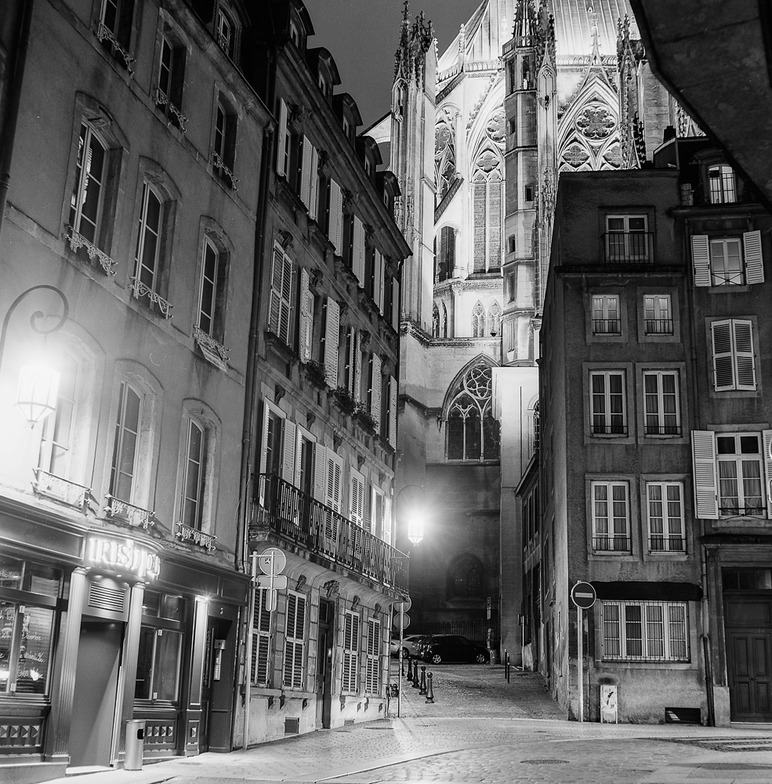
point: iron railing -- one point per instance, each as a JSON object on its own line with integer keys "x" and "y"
{"x": 610, "y": 326}
{"x": 298, "y": 517}
{"x": 659, "y": 543}
{"x": 658, "y": 326}
{"x": 628, "y": 247}
{"x": 611, "y": 544}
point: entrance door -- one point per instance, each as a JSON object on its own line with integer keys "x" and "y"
{"x": 749, "y": 657}
{"x": 96, "y": 681}
{"x": 324, "y": 664}
{"x": 216, "y": 700}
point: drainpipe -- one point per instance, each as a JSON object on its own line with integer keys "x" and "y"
{"x": 8, "y": 134}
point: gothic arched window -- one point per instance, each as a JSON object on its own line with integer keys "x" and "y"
{"x": 472, "y": 432}
{"x": 445, "y": 255}
{"x": 465, "y": 578}
{"x": 487, "y": 186}
{"x": 478, "y": 321}
{"x": 435, "y": 321}
{"x": 494, "y": 319}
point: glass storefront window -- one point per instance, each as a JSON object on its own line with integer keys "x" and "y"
{"x": 163, "y": 605}
{"x": 158, "y": 665}
{"x": 25, "y": 648}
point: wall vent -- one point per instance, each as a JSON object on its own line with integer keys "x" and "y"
{"x": 682, "y": 716}
{"x": 348, "y": 722}
{"x": 291, "y": 726}
{"x": 105, "y": 597}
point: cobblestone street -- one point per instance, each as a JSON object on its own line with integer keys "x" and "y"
{"x": 482, "y": 729}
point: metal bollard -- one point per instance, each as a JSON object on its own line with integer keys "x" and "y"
{"x": 416, "y": 685}
{"x": 409, "y": 670}
{"x": 422, "y": 690}
{"x": 429, "y": 689}
{"x": 405, "y": 664}
{"x": 506, "y": 665}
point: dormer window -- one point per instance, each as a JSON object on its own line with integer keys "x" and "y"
{"x": 294, "y": 33}
{"x": 226, "y": 32}
{"x": 368, "y": 167}
{"x": 347, "y": 128}
{"x": 722, "y": 185}
{"x": 323, "y": 86}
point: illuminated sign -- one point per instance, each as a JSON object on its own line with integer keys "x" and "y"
{"x": 123, "y": 555}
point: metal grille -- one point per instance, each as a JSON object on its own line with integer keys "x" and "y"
{"x": 103, "y": 597}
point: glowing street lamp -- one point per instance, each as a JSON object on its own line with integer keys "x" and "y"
{"x": 415, "y": 529}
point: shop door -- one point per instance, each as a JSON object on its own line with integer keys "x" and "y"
{"x": 217, "y": 690}
{"x": 96, "y": 681}
{"x": 324, "y": 664}
{"x": 749, "y": 657}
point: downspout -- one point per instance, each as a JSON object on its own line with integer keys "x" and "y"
{"x": 8, "y": 136}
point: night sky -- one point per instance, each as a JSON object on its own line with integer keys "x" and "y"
{"x": 362, "y": 36}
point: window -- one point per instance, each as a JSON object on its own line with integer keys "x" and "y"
{"x": 627, "y": 238}
{"x": 610, "y": 517}
{"x": 332, "y": 342}
{"x": 224, "y": 147}
{"x": 727, "y": 261}
{"x": 478, "y": 321}
{"x": 661, "y": 403}
{"x": 721, "y": 184}
{"x": 86, "y": 202}
{"x": 171, "y": 81}
{"x": 607, "y": 409}
{"x": 666, "y": 517}
{"x": 465, "y": 578}
{"x": 351, "y": 653}
{"x": 158, "y": 665}
{"x": 28, "y": 595}
{"x": 657, "y": 314}
{"x": 225, "y": 32}
{"x": 148, "y": 256}
{"x": 487, "y": 187}
{"x": 309, "y": 177}
{"x": 445, "y": 260}
{"x": 740, "y": 474}
{"x": 271, "y": 453}
{"x": 57, "y": 434}
{"x": 210, "y": 285}
{"x": 114, "y": 30}
{"x": 357, "y": 497}
{"x": 494, "y": 319}
{"x": 282, "y": 309}
{"x": 734, "y": 364}
{"x": 125, "y": 444}
{"x": 194, "y": 468}
{"x": 294, "y": 645}
{"x": 605, "y": 315}
{"x": 645, "y": 631}
{"x": 472, "y": 431}
{"x": 261, "y": 640}
{"x": 373, "y": 678}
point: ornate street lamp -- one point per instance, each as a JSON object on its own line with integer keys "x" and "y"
{"x": 38, "y": 386}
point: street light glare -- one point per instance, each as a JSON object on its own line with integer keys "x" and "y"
{"x": 37, "y": 391}
{"x": 415, "y": 529}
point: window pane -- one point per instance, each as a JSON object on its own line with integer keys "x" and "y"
{"x": 144, "y": 664}
{"x": 633, "y": 630}
{"x": 167, "y": 665}
{"x": 34, "y": 650}
{"x": 7, "y": 630}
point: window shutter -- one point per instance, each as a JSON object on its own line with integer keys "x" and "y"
{"x": 358, "y": 257}
{"x": 333, "y": 477}
{"x": 754, "y": 260}
{"x": 351, "y": 359}
{"x": 313, "y": 174}
{"x": 705, "y": 485}
{"x": 378, "y": 281}
{"x": 336, "y": 217}
{"x": 723, "y": 363}
{"x": 285, "y": 319}
{"x": 767, "y": 440}
{"x": 393, "y": 392}
{"x": 701, "y": 259}
{"x": 275, "y": 304}
{"x": 387, "y": 521}
{"x": 357, "y": 501}
{"x": 288, "y": 452}
{"x": 357, "y": 366}
{"x": 395, "y": 304}
{"x": 282, "y": 140}
{"x": 743, "y": 349}
{"x": 305, "y": 316}
{"x": 305, "y": 173}
{"x": 320, "y": 473}
{"x": 331, "y": 341}
{"x": 375, "y": 391}
{"x": 264, "y": 438}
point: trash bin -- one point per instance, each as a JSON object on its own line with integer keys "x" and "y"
{"x": 135, "y": 744}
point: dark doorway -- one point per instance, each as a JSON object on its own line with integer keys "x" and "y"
{"x": 324, "y": 664}
{"x": 96, "y": 681}
{"x": 217, "y": 687}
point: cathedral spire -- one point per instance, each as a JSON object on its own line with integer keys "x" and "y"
{"x": 414, "y": 42}
{"x": 525, "y": 23}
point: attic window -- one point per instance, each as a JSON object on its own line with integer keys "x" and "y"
{"x": 294, "y": 33}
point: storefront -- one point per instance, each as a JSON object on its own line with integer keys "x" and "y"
{"x": 101, "y": 626}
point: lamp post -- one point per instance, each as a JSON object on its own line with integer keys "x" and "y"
{"x": 38, "y": 384}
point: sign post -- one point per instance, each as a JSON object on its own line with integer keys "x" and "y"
{"x": 583, "y": 596}
{"x": 404, "y": 622}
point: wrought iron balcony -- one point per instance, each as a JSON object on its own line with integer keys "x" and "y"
{"x": 297, "y": 517}
{"x": 628, "y": 247}
{"x": 611, "y": 544}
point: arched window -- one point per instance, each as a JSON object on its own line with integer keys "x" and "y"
{"x": 435, "y": 321}
{"x": 465, "y": 578}
{"x": 478, "y": 321}
{"x": 487, "y": 185}
{"x": 494, "y": 319}
{"x": 472, "y": 432}
{"x": 445, "y": 256}
{"x": 444, "y": 321}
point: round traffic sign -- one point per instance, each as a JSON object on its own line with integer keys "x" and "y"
{"x": 272, "y": 561}
{"x": 405, "y": 621}
{"x": 406, "y": 603}
{"x": 583, "y": 595}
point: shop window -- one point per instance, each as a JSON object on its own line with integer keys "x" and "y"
{"x": 158, "y": 665}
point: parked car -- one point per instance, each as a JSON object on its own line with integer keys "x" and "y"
{"x": 410, "y": 646}
{"x": 453, "y": 648}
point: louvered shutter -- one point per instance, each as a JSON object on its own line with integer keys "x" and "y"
{"x": 261, "y": 640}
{"x": 395, "y": 304}
{"x": 743, "y": 350}
{"x": 705, "y": 484}
{"x": 274, "y": 315}
{"x": 305, "y": 173}
{"x": 313, "y": 206}
{"x": 373, "y": 675}
{"x": 387, "y": 526}
{"x": 375, "y": 391}
{"x": 351, "y": 359}
{"x": 294, "y": 645}
{"x": 378, "y": 281}
{"x": 331, "y": 342}
{"x": 281, "y": 145}
{"x": 288, "y": 452}
{"x": 723, "y": 362}
{"x": 357, "y": 366}
{"x": 350, "y": 652}
{"x": 358, "y": 255}
{"x": 701, "y": 259}
{"x": 306, "y": 323}
{"x": 336, "y": 217}
{"x": 393, "y": 393}
{"x": 264, "y": 438}
{"x": 767, "y": 440}
{"x": 320, "y": 473}
{"x": 754, "y": 261}
{"x": 334, "y": 471}
{"x": 285, "y": 321}
{"x": 357, "y": 501}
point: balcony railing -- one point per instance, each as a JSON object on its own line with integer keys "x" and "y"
{"x": 658, "y": 326}
{"x": 605, "y": 428}
{"x": 296, "y": 516}
{"x": 610, "y": 326}
{"x": 628, "y": 247}
{"x": 611, "y": 544}
{"x": 658, "y": 543}
{"x": 659, "y": 429}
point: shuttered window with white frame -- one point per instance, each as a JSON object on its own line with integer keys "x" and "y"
{"x": 356, "y": 497}
{"x": 281, "y": 305}
{"x": 388, "y": 528}
{"x": 375, "y": 389}
{"x": 358, "y": 248}
{"x": 373, "y": 675}
{"x": 331, "y": 342}
{"x": 261, "y": 640}
{"x": 719, "y": 261}
{"x": 306, "y": 323}
{"x": 378, "y": 274}
{"x": 283, "y": 141}
{"x": 351, "y": 653}
{"x": 309, "y": 178}
{"x": 705, "y": 474}
{"x": 294, "y": 641}
{"x": 336, "y": 217}
{"x": 734, "y": 364}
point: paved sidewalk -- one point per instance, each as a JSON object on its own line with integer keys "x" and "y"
{"x": 481, "y": 729}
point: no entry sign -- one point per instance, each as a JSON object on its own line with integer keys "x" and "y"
{"x": 583, "y": 595}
